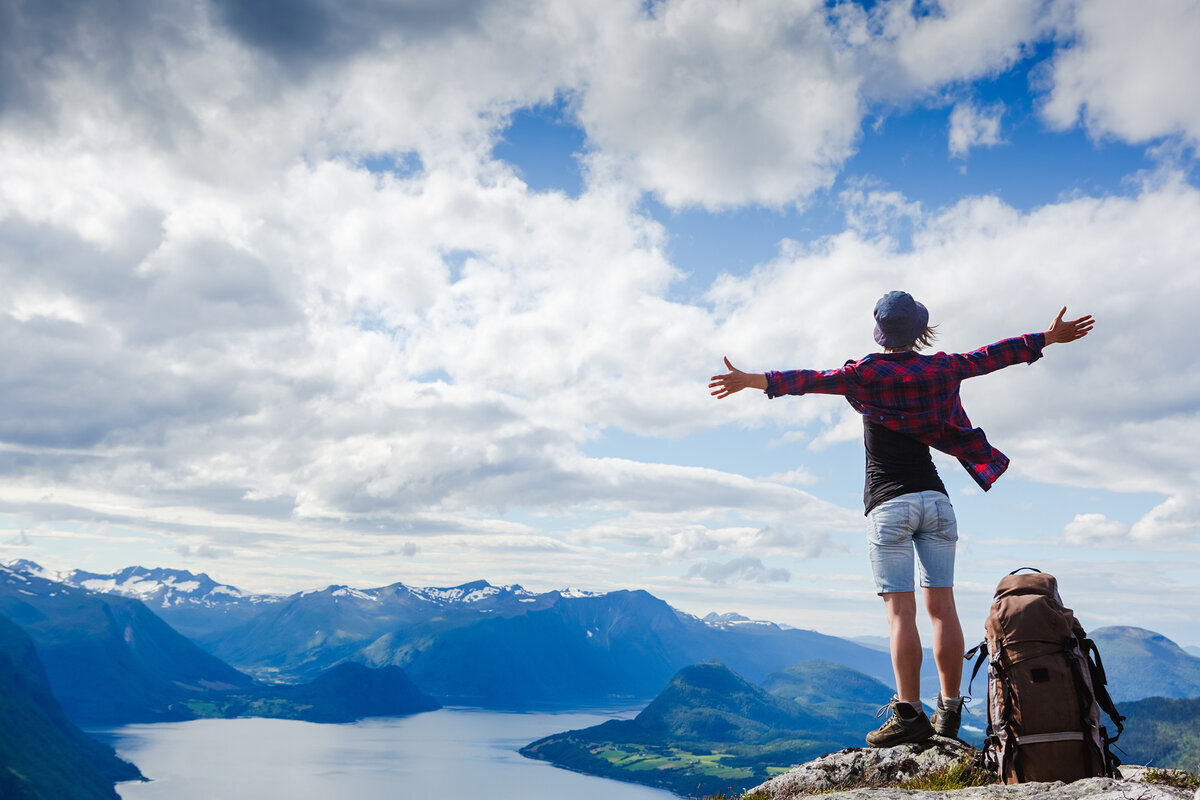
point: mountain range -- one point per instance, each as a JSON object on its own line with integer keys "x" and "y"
{"x": 478, "y": 644}
{"x": 192, "y": 603}
{"x": 110, "y": 660}
{"x": 474, "y": 644}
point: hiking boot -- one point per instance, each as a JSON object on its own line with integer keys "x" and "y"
{"x": 947, "y": 717}
{"x": 908, "y": 723}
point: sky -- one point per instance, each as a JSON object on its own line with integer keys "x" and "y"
{"x": 304, "y": 292}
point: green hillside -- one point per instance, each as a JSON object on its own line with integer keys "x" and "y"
{"x": 1162, "y": 732}
{"x": 43, "y": 756}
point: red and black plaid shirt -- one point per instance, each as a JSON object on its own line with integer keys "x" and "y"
{"x": 918, "y": 395}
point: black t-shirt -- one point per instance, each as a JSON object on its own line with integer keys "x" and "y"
{"x": 896, "y": 464}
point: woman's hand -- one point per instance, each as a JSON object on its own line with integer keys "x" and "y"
{"x": 1061, "y": 332}
{"x": 735, "y": 380}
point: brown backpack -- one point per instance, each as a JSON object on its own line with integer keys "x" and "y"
{"x": 1046, "y": 687}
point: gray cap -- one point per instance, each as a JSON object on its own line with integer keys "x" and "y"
{"x": 899, "y": 320}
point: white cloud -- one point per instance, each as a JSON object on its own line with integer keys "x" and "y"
{"x": 973, "y": 127}
{"x": 221, "y": 331}
{"x": 1176, "y": 518}
{"x": 913, "y": 49}
{"x": 721, "y": 104}
{"x": 1095, "y": 529}
{"x": 1130, "y": 70}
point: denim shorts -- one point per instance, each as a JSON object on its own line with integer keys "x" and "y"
{"x": 921, "y": 519}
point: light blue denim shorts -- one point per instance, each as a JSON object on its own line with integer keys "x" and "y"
{"x": 924, "y": 520}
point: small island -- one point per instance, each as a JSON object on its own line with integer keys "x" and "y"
{"x": 711, "y": 731}
{"x": 345, "y": 693}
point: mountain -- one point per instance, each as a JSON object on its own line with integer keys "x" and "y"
{"x": 830, "y": 689}
{"x": 346, "y": 693}
{"x": 193, "y": 604}
{"x": 1192, "y": 649}
{"x": 708, "y": 731}
{"x": 551, "y": 647}
{"x": 43, "y": 756}
{"x": 110, "y": 659}
{"x": 1140, "y": 663}
{"x": 538, "y": 648}
{"x": 1162, "y": 733}
{"x": 712, "y": 703}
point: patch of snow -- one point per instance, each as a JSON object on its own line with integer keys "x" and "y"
{"x": 458, "y": 594}
{"x": 26, "y": 567}
{"x": 96, "y": 585}
{"x": 575, "y": 593}
{"x": 346, "y": 591}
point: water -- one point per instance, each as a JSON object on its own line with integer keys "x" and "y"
{"x": 450, "y": 753}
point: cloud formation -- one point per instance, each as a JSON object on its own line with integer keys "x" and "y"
{"x": 973, "y": 127}
{"x": 1126, "y": 70}
{"x": 746, "y": 568}
{"x": 224, "y": 331}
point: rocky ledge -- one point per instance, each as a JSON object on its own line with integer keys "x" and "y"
{"x": 875, "y": 773}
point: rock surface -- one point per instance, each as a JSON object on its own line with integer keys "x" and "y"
{"x": 870, "y": 767}
{"x": 874, "y": 773}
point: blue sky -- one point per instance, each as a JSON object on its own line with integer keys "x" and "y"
{"x": 310, "y": 293}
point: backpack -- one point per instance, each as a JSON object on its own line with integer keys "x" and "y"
{"x": 1046, "y": 687}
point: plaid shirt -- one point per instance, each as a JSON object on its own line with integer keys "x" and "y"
{"x": 918, "y": 395}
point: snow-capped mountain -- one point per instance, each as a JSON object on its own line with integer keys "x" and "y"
{"x": 194, "y": 604}
{"x": 156, "y": 587}
{"x": 163, "y": 587}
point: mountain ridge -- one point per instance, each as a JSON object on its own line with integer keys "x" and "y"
{"x": 43, "y": 756}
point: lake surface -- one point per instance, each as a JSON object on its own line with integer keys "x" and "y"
{"x": 450, "y": 753}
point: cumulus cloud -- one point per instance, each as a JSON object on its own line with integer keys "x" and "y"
{"x": 721, "y": 104}
{"x": 974, "y": 127}
{"x": 1095, "y": 529}
{"x": 1129, "y": 71}
{"x": 1176, "y": 518}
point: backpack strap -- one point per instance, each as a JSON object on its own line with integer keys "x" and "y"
{"x": 1018, "y": 569}
{"x": 982, "y": 649}
{"x": 1091, "y": 654}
